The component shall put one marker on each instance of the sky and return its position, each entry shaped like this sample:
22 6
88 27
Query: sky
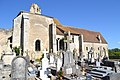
96 15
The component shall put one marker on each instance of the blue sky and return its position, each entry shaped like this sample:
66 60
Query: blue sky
96 15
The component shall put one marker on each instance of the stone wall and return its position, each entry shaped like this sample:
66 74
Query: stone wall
39 30
96 49
16 31
35 27
4 35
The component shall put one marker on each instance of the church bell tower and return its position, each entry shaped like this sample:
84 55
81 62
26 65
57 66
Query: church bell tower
35 9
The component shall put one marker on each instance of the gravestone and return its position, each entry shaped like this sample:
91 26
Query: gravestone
7 57
98 63
68 70
27 58
92 60
52 59
1 69
68 58
45 61
59 63
68 61
114 76
117 66
75 56
45 65
61 57
1 64
91 56
19 68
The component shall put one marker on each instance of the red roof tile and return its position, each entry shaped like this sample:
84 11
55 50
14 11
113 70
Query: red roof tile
88 36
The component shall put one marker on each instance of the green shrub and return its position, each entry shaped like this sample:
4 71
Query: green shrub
17 51
38 60
114 57
60 73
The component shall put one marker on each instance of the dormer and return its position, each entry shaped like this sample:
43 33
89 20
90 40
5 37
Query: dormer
99 38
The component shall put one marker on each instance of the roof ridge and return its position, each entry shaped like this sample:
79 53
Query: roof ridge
82 29
61 25
22 11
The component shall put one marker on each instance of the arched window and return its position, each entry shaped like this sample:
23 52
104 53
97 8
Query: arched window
37 45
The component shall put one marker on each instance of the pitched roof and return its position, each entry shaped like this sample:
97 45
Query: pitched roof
88 36
62 28
59 32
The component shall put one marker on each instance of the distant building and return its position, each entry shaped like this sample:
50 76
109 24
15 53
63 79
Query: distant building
34 32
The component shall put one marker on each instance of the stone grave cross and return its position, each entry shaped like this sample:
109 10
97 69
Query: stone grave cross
68 46
68 41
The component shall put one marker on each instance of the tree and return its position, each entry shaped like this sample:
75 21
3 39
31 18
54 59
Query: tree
114 53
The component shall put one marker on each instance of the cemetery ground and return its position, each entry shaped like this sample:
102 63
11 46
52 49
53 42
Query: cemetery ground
61 66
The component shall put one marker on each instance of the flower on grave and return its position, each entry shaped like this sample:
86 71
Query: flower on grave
60 73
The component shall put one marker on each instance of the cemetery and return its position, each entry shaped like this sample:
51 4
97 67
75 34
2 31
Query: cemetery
61 66
41 48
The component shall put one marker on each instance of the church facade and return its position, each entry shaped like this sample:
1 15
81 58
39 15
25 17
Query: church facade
33 32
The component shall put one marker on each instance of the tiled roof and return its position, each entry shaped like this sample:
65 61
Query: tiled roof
62 28
57 22
66 29
88 36
59 32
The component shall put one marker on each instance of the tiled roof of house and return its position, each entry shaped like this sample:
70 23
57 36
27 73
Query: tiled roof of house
88 36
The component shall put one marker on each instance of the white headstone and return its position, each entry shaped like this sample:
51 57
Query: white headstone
43 76
97 64
51 59
45 61
45 65
8 57
92 60
77 66
59 64
69 71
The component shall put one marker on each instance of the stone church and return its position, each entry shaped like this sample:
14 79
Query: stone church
33 32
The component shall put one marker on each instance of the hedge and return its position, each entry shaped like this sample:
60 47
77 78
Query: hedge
114 57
